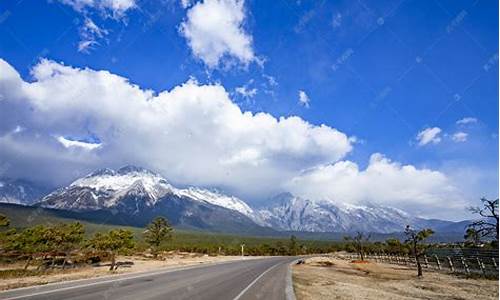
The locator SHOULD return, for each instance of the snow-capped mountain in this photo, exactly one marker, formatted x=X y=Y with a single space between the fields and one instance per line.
x=137 y=195
x=291 y=213
x=215 y=197
x=18 y=191
x=105 y=188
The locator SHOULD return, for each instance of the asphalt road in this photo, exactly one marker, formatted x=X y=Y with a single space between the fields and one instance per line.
x=266 y=278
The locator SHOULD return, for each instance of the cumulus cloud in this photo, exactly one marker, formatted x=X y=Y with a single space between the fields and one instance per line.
x=419 y=191
x=429 y=135
x=193 y=134
x=459 y=137
x=304 y=99
x=214 y=32
x=467 y=120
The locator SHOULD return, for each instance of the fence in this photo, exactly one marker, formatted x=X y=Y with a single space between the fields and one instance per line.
x=483 y=263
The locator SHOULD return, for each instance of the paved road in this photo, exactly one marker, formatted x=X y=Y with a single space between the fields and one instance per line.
x=265 y=278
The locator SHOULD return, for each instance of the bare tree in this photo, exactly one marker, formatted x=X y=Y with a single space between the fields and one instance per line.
x=487 y=226
x=359 y=241
x=414 y=239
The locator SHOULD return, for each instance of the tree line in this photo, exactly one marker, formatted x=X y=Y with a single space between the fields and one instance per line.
x=63 y=243
x=66 y=244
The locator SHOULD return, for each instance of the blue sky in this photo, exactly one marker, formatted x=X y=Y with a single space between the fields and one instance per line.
x=380 y=72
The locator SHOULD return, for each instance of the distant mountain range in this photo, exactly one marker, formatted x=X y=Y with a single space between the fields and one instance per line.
x=17 y=191
x=133 y=196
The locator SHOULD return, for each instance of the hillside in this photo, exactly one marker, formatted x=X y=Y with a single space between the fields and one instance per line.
x=23 y=216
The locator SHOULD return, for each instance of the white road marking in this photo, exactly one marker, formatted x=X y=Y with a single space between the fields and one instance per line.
x=255 y=280
x=112 y=280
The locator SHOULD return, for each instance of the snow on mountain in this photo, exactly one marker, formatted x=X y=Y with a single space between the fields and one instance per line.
x=106 y=188
x=136 y=191
x=17 y=191
x=291 y=213
x=215 y=197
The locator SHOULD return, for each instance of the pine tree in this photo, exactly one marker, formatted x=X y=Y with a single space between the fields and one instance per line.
x=156 y=233
x=415 y=239
x=113 y=242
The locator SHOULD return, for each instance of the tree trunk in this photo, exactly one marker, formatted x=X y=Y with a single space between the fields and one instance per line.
x=113 y=262
x=65 y=260
x=419 y=267
x=53 y=262
x=416 y=254
x=27 y=263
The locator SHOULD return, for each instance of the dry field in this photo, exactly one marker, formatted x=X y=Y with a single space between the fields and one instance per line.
x=140 y=264
x=331 y=278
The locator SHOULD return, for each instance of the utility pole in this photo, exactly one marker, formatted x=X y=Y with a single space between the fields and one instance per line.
x=242 y=249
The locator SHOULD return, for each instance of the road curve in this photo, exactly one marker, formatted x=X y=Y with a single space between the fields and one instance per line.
x=265 y=278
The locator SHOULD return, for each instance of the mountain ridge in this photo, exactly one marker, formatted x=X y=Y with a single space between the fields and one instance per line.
x=137 y=194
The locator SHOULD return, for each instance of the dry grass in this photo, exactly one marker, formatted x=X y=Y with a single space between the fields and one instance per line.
x=331 y=278
x=140 y=264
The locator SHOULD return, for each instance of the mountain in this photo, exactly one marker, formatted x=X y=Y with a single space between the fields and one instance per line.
x=135 y=195
x=19 y=191
x=290 y=213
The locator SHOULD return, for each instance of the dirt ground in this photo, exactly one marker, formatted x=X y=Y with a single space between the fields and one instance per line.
x=140 y=264
x=332 y=278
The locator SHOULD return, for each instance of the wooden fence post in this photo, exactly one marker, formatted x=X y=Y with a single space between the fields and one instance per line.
x=495 y=263
x=426 y=262
x=450 y=263
x=481 y=266
x=466 y=266
x=437 y=262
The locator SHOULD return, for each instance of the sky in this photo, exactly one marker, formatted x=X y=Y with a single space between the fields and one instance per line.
x=386 y=102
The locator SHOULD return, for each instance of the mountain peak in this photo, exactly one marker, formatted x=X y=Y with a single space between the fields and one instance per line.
x=102 y=172
x=133 y=169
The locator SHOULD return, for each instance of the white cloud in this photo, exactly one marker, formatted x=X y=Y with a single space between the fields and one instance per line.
x=68 y=143
x=186 y=3
x=459 y=137
x=117 y=8
x=271 y=81
x=246 y=92
x=418 y=191
x=429 y=135
x=193 y=134
x=89 y=34
x=304 y=99
x=467 y=120
x=214 y=32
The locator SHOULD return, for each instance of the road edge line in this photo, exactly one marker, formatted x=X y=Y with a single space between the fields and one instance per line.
x=255 y=280
x=289 y=291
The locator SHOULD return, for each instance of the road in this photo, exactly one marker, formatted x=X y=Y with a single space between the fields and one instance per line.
x=266 y=278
